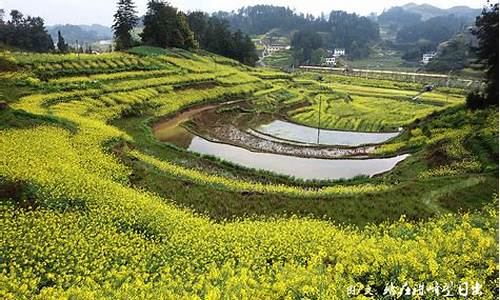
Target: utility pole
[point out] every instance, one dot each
(320, 79)
(319, 117)
(448, 78)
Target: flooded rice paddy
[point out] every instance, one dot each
(280, 146)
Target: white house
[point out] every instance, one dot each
(331, 61)
(427, 57)
(271, 49)
(338, 52)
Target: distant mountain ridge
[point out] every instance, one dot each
(81, 33)
(428, 11)
(415, 18)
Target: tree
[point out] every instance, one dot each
(339, 29)
(415, 50)
(214, 34)
(487, 52)
(260, 19)
(16, 18)
(218, 37)
(26, 33)
(165, 27)
(352, 32)
(2, 15)
(61, 44)
(437, 29)
(304, 43)
(244, 49)
(453, 55)
(125, 20)
(198, 22)
(318, 56)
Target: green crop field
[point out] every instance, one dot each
(92, 206)
(372, 106)
(282, 59)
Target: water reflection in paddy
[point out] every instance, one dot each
(172, 132)
(305, 168)
(295, 132)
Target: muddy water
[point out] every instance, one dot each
(311, 166)
(163, 129)
(304, 134)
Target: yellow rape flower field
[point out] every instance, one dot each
(77, 223)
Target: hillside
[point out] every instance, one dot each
(307, 33)
(428, 11)
(413, 30)
(94, 205)
(81, 33)
(393, 40)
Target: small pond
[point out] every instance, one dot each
(304, 134)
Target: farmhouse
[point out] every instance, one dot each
(427, 57)
(331, 61)
(273, 48)
(338, 52)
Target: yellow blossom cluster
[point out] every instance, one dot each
(89, 234)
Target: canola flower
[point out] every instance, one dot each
(239, 185)
(119, 97)
(93, 236)
(112, 76)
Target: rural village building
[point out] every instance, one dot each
(273, 48)
(331, 61)
(427, 57)
(338, 52)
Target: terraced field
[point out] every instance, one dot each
(92, 206)
(375, 106)
(282, 59)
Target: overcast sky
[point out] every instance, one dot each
(101, 11)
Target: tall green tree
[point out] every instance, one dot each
(164, 26)
(61, 43)
(437, 29)
(125, 20)
(487, 51)
(304, 43)
(198, 23)
(352, 32)
(214, 34)
(318, 56)
(26, 33)
(453, 55)
(244, 49)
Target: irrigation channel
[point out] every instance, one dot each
(276, 145)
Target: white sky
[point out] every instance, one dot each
(101, 11)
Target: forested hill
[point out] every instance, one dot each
(259, 19)
(338, 29)
(411, 14)
(416, 29)
(428, 11)
(406, 25)
(418, 19)
(81, 33)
